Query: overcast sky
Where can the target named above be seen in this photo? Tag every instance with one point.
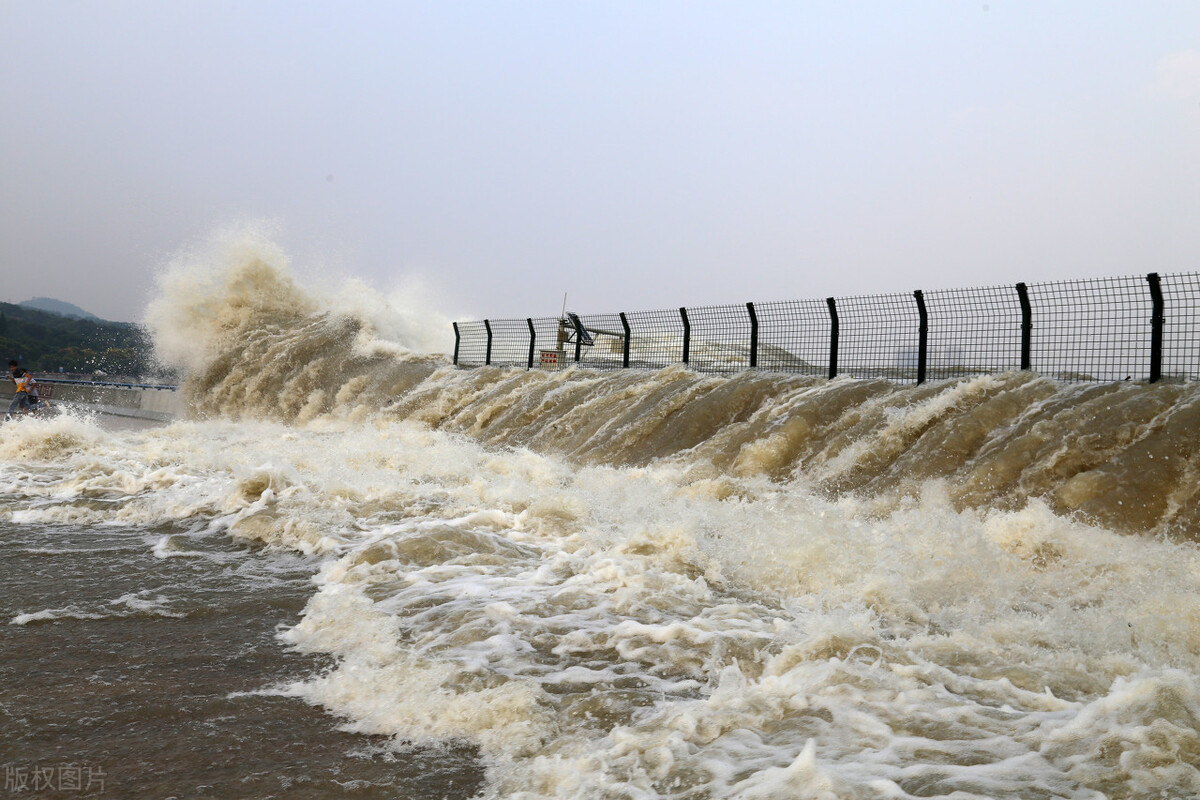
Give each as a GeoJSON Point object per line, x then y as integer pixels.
{"type": "Point", "coordinates": [637, 155]}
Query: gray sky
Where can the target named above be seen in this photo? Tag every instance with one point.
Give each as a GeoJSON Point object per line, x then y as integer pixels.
{"type": "Point", "coordinates": [634, 154]}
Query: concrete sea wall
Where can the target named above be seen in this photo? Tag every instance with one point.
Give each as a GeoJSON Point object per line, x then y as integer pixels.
{"type": "Point", "coordinates": [123, 401]}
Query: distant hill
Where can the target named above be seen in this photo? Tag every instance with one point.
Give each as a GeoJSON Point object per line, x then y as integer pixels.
{"type": "Point", "coordinates": [60, 307]}
{"type": "Point", "coordinates": [46, 341]}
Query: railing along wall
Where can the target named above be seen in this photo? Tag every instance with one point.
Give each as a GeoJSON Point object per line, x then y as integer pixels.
{"type": "Point", "coordinates": [1106, 329]}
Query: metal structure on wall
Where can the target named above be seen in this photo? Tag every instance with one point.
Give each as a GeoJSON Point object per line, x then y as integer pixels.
{"type": "Point", "coordinates": [1105, 329]}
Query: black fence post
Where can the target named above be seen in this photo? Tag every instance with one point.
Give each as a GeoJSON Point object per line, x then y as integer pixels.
{"type": "Point", "coordinates": [753, 336]}
{"type": "Point", "coordinates": [1157, 321]}
{"type": "Point", "coordinates": [532, 340]}
{"type": "Point", "coordinates": [488, 359]}
{"type": "Point", "coordinates": [578, 347]}
{"type": "Point", "coordinates": [687, 334]}
{"type": "Point", "coordinates": [923, 335]}
{"type": "Point", "coordinates": [1026, 327]}
{"type": "Point", "coordinates": [457, 339]}
{"type": "Point", "coordinates": [625, 325]}
{"type": "Point", "coordinates": [833, 337]}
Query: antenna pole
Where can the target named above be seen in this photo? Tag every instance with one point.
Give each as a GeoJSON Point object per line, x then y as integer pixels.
{"type": "Point", "coordinates": [562, 329]}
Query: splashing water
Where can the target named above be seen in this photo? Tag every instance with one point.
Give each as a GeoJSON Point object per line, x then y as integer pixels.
{"type": "Point", "coordinates": [682, 586]}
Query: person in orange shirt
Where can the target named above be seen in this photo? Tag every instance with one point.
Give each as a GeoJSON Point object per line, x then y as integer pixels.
{"type": "Point", "coordinates": [26, 397]}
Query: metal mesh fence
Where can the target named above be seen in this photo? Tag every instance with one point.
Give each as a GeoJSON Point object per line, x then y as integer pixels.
{"type": "Point", "coordinates": [1107, 329]}
{"type": "Point", "coordinates": [794, 336]}
{"type": "Point", "coordinates": [546, 353]}
{"type": "Point", "coordinates": [656, 339]}
{"type": "Point", "coordinates": [1181, 329]}
{"type": "Point", "coordinates": [608, 342]}
{"type": "Point", "coordinates": [720, 338]}
{"type": "Point", "coordinates": [470, 344]}
{"type": "Point", "coordinates": [973, 331]}
{"type": "Point", "coordinates": [878, 336]}
{"type": "Point", "coordinates": [1091, 330]}
{"type": "Point", "coordinates": [510, 342]}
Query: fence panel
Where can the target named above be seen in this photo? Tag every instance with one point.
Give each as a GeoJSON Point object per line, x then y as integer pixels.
{"type": "Point", "coordinates": [510, 342]}
{"type": "Point", "coordinates": [720, 338]}
{"type": "Point", "coordinates": [472, 349]}
{"type": "Point", "coordinates": [794, 336]}
{"type": "Point", "coordinates": [545, 346]}
{"type": "Point", "coordinates": [973, 331]}
{"type": "Point", "coordinates": [1181, 333]}
{"type": "Point", "coordinates": [609, 342]}
{"type": "Point", "coordinates": [656, 339]}
{"type": "Point", "coordinates": [1091, 330]}
{"type": "Point", "coordinates": [879, 337]}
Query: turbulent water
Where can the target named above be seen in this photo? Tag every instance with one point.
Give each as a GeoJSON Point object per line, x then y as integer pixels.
{"type": "Point", "coordinates": [670, 585]}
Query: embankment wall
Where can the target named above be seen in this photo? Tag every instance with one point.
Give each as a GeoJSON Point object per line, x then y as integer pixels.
{"type": "Point", "coordinates": [155, 404]}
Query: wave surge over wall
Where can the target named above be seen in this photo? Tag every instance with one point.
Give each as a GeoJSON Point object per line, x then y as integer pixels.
{"type": "Point", "coordinates": [1121, 454]}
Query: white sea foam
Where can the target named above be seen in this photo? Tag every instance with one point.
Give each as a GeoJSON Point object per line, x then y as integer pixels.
{"type": "Point", "coordinates": [50, 614]}
{"type": "Point", "coordinates": [765, 648]}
